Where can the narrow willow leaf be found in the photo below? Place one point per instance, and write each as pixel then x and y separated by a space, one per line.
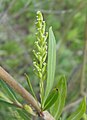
pixel 51 99
pixel 9 92
pixel 4 97
pixel 5 103
pixel 77 115
pixel 57 108
pixel 51 63
pixel 23 114
pixel 29 84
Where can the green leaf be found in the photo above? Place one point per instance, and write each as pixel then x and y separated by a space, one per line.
pixel 23 114
pixel 77 115
pixel 6 104
pixel 4 97
pixel 29 84
pixel 57 108
pixel 51 63
pixel 8 91
pixel 51 99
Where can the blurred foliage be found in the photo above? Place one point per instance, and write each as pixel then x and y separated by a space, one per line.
pixel 17 36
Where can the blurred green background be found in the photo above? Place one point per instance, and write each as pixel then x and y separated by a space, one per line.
pixel 17 36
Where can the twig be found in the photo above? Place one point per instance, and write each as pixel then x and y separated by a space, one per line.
pixel 55 11
pixel 38 4
pixel 6 77
pixel 84 60
pixel 84 94
pixel 18 88
pixel 72 104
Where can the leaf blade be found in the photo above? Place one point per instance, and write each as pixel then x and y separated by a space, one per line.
pixel 23 114
pixel 6 103
pixel 51 63
pixel 30 85
pixel 6 89
pixel 58 106
pixel 77 115
pixel 51 99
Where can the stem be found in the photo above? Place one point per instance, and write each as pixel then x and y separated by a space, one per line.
pixel 7 78
pixel 84 60
pixel 18 88
pixel 68 107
